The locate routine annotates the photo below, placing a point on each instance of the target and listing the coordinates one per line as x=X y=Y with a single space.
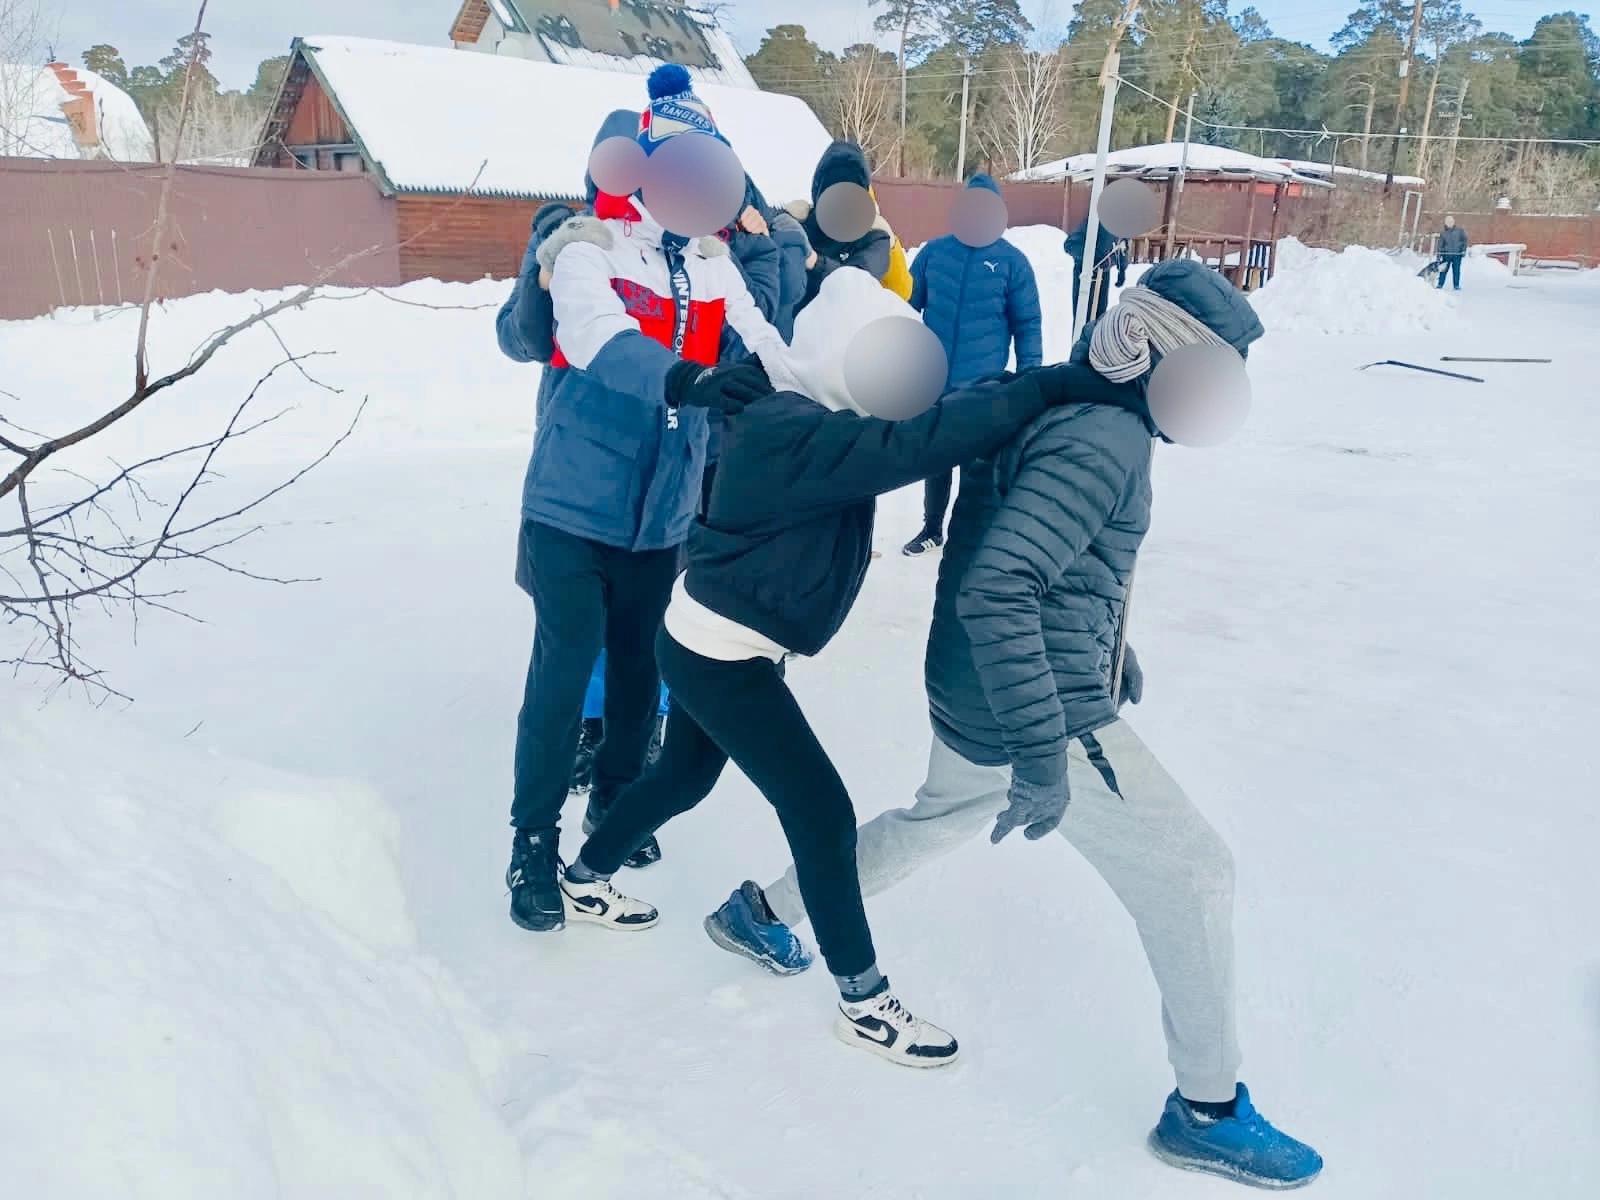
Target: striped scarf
x=1140 y=322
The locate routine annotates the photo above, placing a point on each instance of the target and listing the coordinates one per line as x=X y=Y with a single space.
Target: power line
x=1325 y=132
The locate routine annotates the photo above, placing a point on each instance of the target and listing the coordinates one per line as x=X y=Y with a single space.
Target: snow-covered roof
x=34 y=123
x=1164 y=158
x=1322 y=170
x=434 y=119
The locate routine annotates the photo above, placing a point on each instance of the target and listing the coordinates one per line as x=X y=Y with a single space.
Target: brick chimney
x=79 y=109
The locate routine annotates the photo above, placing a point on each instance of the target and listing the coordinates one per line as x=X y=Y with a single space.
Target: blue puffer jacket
x=978 y=302
x=1041 y=549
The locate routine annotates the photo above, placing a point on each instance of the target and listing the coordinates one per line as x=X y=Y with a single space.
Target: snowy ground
x=254 y=925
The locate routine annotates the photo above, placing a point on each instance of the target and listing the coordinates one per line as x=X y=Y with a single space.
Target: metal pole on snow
x=1109 y=81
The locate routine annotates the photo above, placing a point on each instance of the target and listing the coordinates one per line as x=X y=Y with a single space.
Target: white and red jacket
x=607 y=463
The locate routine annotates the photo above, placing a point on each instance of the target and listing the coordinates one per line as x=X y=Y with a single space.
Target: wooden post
x=1167 y=211
x=1243 y=279
x=1175 y=198
x=1272 y=244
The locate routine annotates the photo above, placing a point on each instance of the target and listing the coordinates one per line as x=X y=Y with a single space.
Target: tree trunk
x=1427 y=117
x=905 y=32
x=1183 y=76
x=1366 y=125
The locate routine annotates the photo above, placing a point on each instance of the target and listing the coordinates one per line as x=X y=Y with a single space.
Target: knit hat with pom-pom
x=673 y=109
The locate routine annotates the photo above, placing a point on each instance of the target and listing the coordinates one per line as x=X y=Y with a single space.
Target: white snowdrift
x=1358 y=291
x=211 y=986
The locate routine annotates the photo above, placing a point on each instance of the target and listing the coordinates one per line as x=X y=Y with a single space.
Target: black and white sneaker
x=597 y=901
x=535 y=898
x=882 y=1026
x=924 y=543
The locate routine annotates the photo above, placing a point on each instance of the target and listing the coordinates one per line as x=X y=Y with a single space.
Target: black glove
x=1036 y=808
x=1132 y=678
x=727 y=388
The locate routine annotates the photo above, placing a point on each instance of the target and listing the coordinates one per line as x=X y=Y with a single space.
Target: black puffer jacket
x=842 y=162
x=1452 y=242
x=1041 y=548
x=784 y=545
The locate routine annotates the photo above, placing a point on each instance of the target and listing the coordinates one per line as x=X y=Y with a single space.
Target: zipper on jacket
x=961 y=304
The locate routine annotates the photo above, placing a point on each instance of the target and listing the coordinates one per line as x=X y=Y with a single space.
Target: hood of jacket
x=1209 y=297
x=1204 y=294
x=984 y=181
x=842 y=162
x=813 y=364
x=619 y=122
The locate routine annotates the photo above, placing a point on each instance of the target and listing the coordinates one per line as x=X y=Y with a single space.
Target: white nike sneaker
x=882 y=1026
x=597 y=901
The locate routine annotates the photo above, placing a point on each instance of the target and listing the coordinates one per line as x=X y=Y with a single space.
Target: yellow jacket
x=898 y=278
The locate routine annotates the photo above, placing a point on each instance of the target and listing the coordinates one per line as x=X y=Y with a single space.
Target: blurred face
x=894 y=368
x=1449 y=222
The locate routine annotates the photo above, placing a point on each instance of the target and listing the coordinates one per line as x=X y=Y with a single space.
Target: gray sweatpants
x=1166 y=864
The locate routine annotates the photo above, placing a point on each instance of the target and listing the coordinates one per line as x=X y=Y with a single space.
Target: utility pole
x=1183 y=166
x=1405 y=91
x=1455 y=138
x=961 y=150
x=1109 y=81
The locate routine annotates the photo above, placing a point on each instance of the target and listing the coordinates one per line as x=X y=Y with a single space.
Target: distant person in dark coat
x=1021 y=656
x=1109 y=252
x=980 y=301
x=1452 y=249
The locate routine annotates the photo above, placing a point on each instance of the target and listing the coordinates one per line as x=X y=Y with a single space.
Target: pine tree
x=106 y=62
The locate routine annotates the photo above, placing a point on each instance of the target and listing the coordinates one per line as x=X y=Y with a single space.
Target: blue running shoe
x=747 y=927
x=1244 y=1147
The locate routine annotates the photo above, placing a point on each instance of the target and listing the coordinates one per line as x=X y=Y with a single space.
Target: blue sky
x=246 y=31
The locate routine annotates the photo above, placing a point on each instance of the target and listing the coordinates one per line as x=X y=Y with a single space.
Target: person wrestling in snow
x=1021 y=654
x=614 y=480
x=775 y=566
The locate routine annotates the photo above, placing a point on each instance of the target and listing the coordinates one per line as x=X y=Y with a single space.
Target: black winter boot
x=532 y=877
x=583 y=765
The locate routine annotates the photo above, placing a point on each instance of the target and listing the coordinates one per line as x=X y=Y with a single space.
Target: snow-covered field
x=253 y=926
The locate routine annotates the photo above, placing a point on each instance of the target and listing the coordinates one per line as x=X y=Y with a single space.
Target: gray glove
x=1037 y=807
x=1132 y=678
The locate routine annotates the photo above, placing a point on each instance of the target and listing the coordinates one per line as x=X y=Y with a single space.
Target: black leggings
x=936 y=501
x=744 y=711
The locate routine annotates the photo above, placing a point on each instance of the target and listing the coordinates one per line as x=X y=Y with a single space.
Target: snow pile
x=1485 y=271
x=423 y=357
x=1358 y=291
x=211 y=985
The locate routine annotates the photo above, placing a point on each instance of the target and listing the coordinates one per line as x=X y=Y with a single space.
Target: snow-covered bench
x=1511 y=251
